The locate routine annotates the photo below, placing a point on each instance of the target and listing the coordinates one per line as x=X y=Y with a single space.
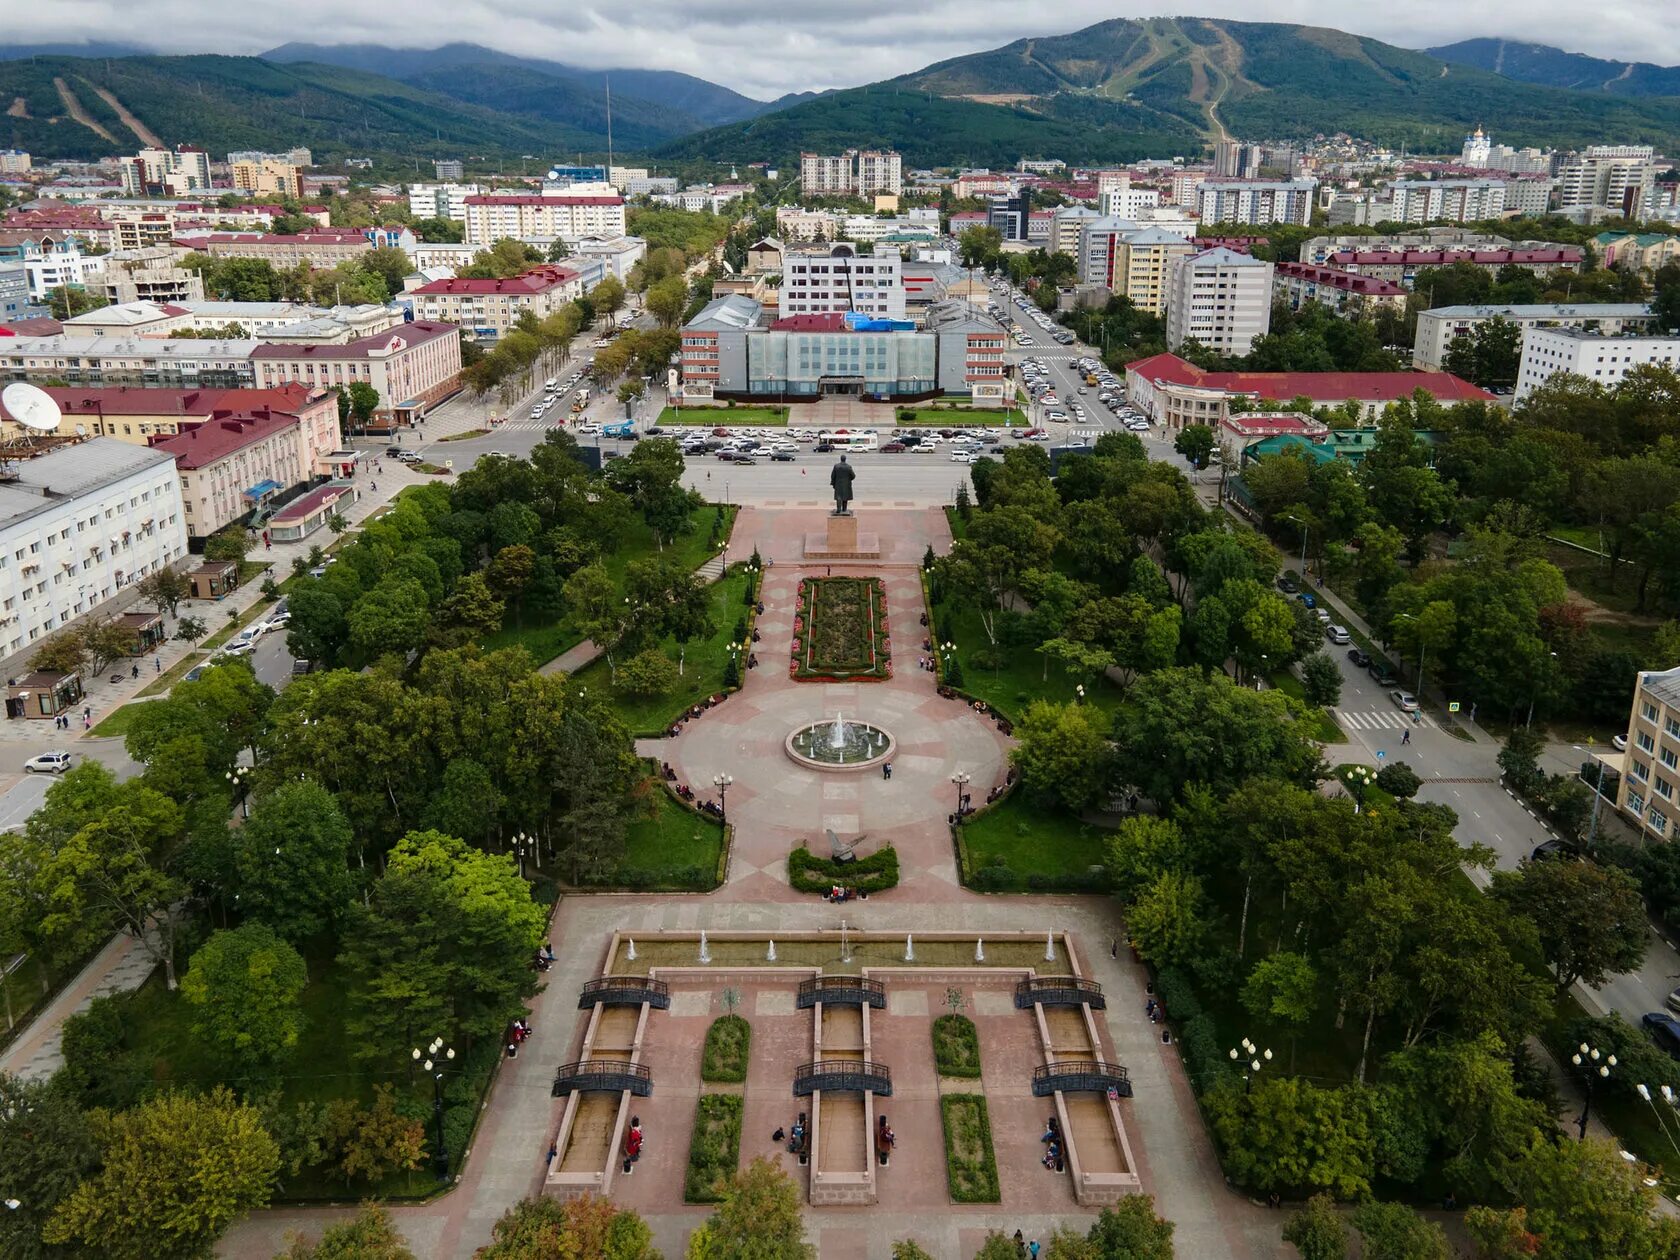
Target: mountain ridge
x=1556 y=67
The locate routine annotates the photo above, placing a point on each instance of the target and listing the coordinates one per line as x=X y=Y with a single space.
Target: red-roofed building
x=1400 y=266
x=487 y=307
x=413 y=367
x=323 y=247
x=544 y=218
x=232 y=465
x=138 y=415
x=1178 y=392
x=1345 y=292
x=304 y=516
x=1244 y=427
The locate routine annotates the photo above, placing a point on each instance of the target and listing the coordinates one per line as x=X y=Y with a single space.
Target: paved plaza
x=774 y=805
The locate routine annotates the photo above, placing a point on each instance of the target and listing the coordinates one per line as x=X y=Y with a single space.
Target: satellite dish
x=32 y=407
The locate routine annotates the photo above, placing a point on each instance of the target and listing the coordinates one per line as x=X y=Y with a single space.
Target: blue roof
x=261 y=489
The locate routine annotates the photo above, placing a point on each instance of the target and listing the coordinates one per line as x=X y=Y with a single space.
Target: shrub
x=728 y=1042
x=1173 y=987
x=970 y=1165
x=1198 y=1045
x=956 y=1046
x=809 y=873
x=715 y=1148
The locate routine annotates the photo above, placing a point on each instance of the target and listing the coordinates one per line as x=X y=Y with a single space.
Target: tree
x=1399 y=780
x=1167 y=921
x=1321 y=680
x=441 y=949
x=364 y=401
x=547 y=1229
x=1061 y=753
x=231 y=543
x=598 y=610
x=1590 y=919
x=649 y=673
x=667 y=300
x=1283 y=988
x=909 y=1249
x=318 y=627
x=246 y=984
x=1142 y=848
x=1317 y=1230
x=759 y=1219
x=1195 y=442
x=979 y=246
x=1519 y=759
x=175 y=1172
x=1130 y=1230
x=47 y=1149
x=190 y=629
x=1393 y=1231
x=392 y=617
x=369 y=1235
x=373 y=1142
x=104 y=641
x=290 y=861
x=164 y=589
x=471 y=611
x=607 y=298
x=63 y=653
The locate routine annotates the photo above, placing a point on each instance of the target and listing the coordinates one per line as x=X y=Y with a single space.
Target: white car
x=47 y=763
x=963 y=457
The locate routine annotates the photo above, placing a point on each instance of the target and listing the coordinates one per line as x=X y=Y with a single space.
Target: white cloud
x=768 y=47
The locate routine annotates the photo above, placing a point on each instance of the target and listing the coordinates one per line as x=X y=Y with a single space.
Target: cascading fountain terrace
x=843 y=744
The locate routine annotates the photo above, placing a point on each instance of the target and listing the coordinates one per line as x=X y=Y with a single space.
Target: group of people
x=840 y=892
x=795 y=1140
x=518 y=1031
x=62 y=721
x=696 y=711
x=1055 y=1146
x=543 y=959
x=1025 y=1248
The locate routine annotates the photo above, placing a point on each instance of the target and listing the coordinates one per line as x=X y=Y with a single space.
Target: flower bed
x=715 y=1148
x=875 y=873
x=970 y=1165
x=840 y=630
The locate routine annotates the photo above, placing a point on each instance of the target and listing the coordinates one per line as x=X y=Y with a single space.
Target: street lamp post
x=1079 y=693
x=435 y=1056
x=961 y=778
x=1253 y=1059
x=522 y=845
x=236 y=781
x=722 y=782
x=1587 y=1059
x=1359 y=778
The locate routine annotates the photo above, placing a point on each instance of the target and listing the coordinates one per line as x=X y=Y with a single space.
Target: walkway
x=122 y=966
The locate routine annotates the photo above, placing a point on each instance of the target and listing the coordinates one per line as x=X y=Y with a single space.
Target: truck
x=581 y=401
x=619 y=429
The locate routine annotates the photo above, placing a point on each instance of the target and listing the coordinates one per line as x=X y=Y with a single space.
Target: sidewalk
x=120 y=967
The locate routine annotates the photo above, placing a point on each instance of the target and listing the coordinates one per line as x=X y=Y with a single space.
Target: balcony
x=625 y=991
x=1059 y=991
x=1080 y=1076
x=609 y=1075
x=841 y=991
x=856 y=1076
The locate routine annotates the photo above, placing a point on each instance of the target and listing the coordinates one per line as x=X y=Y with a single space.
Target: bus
x=853 y=441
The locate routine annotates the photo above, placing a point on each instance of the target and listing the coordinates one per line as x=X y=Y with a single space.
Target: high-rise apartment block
x=856 y=172
x=1220 y=299
x=1257 y=201
x=176 y=172
x=267 y=176
x=1621 y=176
x=440 y=201
x=840 y=280
x=449 y=168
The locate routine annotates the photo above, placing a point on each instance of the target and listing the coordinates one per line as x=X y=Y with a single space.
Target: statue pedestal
x=842 y=541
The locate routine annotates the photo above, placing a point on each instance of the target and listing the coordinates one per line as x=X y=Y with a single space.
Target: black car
x=1548 y=849
x=1360 y=657
x=781 y=457
x=655 y=431
x=745 y=457
x=1664 y=1030
x=1287 y=585
x=1382 y=674
x=824 y=447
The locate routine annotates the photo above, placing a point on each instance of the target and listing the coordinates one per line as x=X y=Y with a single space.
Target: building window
x=1659 y=821
x=1645 y=742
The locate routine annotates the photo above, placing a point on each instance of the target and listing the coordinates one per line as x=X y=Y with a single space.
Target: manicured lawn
x=675 y=848
x=462 y=437
x=726 y=417
x=703 y=664
x=1022 y=678
x=163 y=682
x=1581 y=535
x=960 y=417
x=1326 y=730
x=970 y=1164
x=1034 y=846
x=116 y=724
x=956 y=1046
x=715 y=1148
x=724 y=1058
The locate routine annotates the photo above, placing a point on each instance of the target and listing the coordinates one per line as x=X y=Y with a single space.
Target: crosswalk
x=1382 y=720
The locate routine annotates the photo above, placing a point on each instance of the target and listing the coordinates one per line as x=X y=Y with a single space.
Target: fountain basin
x=858 y=746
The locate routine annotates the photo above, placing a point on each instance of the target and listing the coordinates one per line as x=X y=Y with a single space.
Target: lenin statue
x=841 y=479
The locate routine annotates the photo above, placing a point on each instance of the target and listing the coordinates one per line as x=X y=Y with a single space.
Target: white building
x=14 y=162
x=79 y=524
x=82 y=359
x=440 y=201
x=1439 y=328
x=1219 y=298
x=855 y=172
x=1602 y=358
x=58 y=269
x=570 y=217
x=1457 y=200
x=173 y=171
x=1066 y=225
x=841 y=279
x=1256 y=201
x=1117 y=197
x=617 y=254
x=869 y=228
x=1620 y=176
x=1651 y=765
x=794 y=223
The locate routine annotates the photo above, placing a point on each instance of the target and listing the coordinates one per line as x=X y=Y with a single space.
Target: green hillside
x=1128 y=87
x=1553 y=67
x=224 y=103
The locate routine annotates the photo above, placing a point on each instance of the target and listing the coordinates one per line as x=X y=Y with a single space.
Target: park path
x=578 y=655
x=37 y=1052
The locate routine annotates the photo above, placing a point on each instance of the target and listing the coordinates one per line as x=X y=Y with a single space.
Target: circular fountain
x=839 y=745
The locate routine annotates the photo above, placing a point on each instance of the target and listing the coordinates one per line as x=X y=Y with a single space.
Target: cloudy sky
x=768 y=47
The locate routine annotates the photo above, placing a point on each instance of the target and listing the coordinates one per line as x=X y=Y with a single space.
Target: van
x=551 y=384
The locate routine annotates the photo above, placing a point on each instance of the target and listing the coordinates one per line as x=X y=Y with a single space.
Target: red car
x=894 y=448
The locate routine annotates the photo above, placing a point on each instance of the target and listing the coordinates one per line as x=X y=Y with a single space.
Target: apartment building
x=1319 y=249
x=440 y=201
x=1620 y=176
x=1602 y=358
x=1429 y=200
x=1439 y=328
x=1637 y=251
x=324 y=249
x=486 y=308
x=1220 y=299
x=413 y=367
x=138 y=414
x=1400 y=266
x=1120 y=199
x=794 y=223
x=616 y=254
x=146 y=274
x=1651 y=764
x=840 y=279
x=1131 y=261
x=77 y=525
x=1256 y=201
x=569 y=217
x=1066 y=224
x=856 y=172
x=267 y=176
x=1356 y=296
x=14 y=292
x=14 y=162
x=231 y=465
x=52 y=267
x=448 y=169
x=166 y=172
x=103 y=360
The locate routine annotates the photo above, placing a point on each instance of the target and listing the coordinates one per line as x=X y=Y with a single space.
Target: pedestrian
x=553 y=1150
x=1032 y=1249
x=134 y=672
x=1405 y=737
x=87 y=723
x=885 y=1140
x=548 y=950
x=1020 y=1244
x=1114 y=947
x=157 y=662
x=513 y=1050
x=632 y=1145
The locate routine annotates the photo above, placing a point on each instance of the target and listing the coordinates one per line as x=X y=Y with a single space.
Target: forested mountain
x=1553 y=67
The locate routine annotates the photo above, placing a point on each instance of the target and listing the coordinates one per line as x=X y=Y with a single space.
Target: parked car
x=963 y=457
x=47 y=763
x=300 y=668
x=1672 y=1001
x=1287 y=585
x=781 y=457
x=1337 y=635
x=1619 y=743
x=1307 y=600
x=1664 y=1030
x=1405 y=699
x=894 y=448
x=1381 y=674
x=1360 y=657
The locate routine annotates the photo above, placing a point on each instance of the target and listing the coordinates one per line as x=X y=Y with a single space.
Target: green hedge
x=809 y=873
x=728 y=1042
x=970 y=1165
x=956 y=1046
x=715 y=1149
